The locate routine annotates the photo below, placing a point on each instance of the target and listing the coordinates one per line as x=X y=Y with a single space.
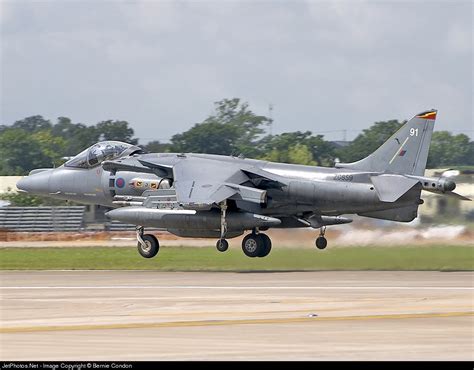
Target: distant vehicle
x=213 y=196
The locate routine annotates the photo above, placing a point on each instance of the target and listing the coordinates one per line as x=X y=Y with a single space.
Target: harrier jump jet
x=214 y=196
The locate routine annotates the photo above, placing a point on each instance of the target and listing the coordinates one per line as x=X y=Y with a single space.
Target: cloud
x=161 y=65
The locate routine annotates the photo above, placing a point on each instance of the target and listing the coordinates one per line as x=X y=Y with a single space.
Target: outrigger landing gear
x=256 y=244
x=148 y=245
x=321 y=241
x=222 y=245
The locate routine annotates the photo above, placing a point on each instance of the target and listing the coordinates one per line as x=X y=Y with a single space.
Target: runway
x=137 y=315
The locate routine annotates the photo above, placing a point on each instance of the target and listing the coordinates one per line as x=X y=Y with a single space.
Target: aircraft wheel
x=252 y=245
x=222 y=245
x=267 y=245
x=321 y=242
x=150 y=247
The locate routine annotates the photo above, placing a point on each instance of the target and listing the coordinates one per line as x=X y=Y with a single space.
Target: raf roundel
x=120 y=183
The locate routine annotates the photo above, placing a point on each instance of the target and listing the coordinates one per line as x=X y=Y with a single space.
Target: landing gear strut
x=321 y=241
x=256 y=245
x=148 y=245
x=222 y=245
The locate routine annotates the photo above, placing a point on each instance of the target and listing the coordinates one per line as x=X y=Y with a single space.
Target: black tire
x=151 y=248
x=222 y=245
x=321 y=242
x=267 y=245
x=252 y=245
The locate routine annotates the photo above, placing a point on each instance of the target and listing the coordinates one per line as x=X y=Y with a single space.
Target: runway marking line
x=202 y=287
x=177 y=324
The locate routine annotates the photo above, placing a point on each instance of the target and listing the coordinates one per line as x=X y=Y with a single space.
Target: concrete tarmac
x=146 y=315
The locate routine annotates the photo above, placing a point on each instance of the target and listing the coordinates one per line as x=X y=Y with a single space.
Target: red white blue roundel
x=120 y=183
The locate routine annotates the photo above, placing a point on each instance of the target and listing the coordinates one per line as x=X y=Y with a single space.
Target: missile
x=189 y=219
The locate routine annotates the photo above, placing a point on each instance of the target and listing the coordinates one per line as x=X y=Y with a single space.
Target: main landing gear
x=321 y=241
x=148 y=245
x=256 y=245
x=253 y=245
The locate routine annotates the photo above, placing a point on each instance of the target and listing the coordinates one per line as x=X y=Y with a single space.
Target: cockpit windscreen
x=97 y=153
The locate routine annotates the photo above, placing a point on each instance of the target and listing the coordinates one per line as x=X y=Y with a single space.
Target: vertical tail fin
x=406 y=152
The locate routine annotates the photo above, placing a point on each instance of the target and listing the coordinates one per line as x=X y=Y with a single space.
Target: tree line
x=232 y=129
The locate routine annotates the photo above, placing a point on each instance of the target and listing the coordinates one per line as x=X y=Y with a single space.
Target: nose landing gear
x=148 y=245
x=222 y=245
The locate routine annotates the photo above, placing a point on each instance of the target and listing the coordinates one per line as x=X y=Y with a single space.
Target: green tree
x=157 y=147
x=232 y=129
x=276 y=148
x=22 y=151
x=297 y=147
x=208 y=137
x=19 y=153
x=450 y=150
x=470 y=155
x=323 y=151
x=115 y=130
x=368 y=141
x=33 y=124
x=52 y=147
x=300 y=154
x=77 y=136
x=28 y=200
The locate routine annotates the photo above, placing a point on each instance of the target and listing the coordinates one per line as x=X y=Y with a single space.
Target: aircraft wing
x=201 y=183
x=202 y=195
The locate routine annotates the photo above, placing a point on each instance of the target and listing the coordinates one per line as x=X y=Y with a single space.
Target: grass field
x=209 y=259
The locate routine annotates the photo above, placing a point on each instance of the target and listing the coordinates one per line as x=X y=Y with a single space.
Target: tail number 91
x=413 y=132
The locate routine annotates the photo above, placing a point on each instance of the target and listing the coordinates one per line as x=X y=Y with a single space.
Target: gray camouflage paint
x=259 y=194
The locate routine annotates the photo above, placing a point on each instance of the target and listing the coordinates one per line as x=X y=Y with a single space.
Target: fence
x=37 y=219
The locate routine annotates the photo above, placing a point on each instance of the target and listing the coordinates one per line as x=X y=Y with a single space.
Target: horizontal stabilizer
x=456 y=195
x=402 y=214
x=390 y=188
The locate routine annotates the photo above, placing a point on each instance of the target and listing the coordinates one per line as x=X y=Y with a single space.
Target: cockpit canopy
x=97 y=153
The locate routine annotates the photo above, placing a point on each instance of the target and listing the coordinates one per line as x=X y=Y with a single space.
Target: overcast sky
x=325 y=66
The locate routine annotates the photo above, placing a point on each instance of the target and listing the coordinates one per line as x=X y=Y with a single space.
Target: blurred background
x=306 y=82
x=233 y=129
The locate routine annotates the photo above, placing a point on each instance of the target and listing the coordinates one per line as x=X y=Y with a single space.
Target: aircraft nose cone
x=35 y=184
x=24 y=184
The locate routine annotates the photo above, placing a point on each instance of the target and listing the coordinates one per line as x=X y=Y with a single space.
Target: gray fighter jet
x=213 y=196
